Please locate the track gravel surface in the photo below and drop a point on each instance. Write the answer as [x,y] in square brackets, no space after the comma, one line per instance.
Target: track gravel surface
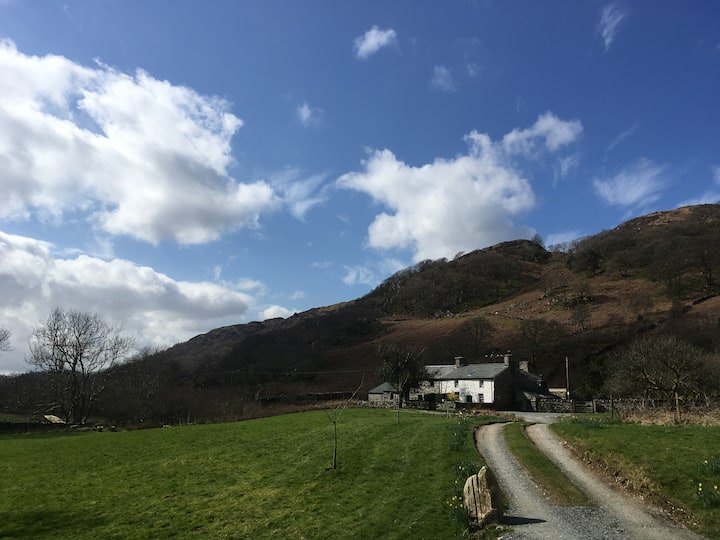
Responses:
[532,515]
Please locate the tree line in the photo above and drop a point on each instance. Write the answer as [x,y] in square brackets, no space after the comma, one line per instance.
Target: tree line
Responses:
[85,368]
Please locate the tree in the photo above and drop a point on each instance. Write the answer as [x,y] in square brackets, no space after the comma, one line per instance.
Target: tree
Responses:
[537,337]
[662,367]
[76,350]
[476,332]
[537,239]
[133,388]
[4,339]
[402,367]
[334,417]
[581,316]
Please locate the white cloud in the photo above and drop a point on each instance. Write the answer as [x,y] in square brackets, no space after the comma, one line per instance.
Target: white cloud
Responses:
[247,284]
[309,116]
[299,193]
[153,308]
[372,41]
[372,273]
[567,163]
[442,79]
[548,131]
[637,185]
[273,312]
[709,197]
[360,275]
[562,237]
[460,204]
[610,18]
[297,295]
[136,155]
[622,136]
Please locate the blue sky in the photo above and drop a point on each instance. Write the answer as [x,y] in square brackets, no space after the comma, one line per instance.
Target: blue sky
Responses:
[181,165]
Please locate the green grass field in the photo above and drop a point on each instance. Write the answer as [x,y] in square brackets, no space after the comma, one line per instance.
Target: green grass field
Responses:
[263,478]
[668,463]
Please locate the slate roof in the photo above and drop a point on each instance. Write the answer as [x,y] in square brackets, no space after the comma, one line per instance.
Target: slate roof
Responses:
[436,372]
[384,387]
[473,371]
[536,379]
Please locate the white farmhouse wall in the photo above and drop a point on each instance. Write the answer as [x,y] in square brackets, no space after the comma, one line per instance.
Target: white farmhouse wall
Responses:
[470,388]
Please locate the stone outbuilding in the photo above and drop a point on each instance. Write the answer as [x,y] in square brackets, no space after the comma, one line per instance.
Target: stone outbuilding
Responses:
[384,394]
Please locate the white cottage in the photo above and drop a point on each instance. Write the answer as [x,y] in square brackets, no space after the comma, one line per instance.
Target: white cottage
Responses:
[493,384]
[475,383]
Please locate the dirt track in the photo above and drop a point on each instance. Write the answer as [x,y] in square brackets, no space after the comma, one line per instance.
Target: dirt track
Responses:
[531,515]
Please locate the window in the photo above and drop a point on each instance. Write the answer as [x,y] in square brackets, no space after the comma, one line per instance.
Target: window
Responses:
[481,398]
[456,383]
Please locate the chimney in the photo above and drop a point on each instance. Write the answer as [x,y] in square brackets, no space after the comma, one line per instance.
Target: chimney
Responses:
[459,361]
[506,359]
[524,366]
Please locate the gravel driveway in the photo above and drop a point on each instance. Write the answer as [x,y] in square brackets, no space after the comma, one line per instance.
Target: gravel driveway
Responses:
[531,515]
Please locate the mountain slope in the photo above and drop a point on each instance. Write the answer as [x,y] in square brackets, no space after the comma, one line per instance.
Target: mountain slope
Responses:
[581,300]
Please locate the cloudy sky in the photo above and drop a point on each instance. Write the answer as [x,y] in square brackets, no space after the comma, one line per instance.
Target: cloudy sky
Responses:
[180,165]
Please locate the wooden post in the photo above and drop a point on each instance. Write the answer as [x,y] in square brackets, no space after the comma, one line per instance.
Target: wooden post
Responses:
[567,380]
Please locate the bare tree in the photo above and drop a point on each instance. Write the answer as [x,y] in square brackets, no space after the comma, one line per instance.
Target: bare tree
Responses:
[77,351]
[4,339]
[402,367]
[334,417]
[581,316]
[477,332]
[538,337]
[661,367]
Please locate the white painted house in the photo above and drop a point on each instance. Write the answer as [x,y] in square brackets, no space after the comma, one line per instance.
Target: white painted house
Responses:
[474,383]
[501,385]
[494,384]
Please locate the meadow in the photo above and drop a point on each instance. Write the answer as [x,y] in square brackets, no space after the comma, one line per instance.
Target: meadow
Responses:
[264,478]
[676,466]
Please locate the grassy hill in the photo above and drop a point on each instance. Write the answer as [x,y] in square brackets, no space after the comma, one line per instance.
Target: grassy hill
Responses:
[265,478]
[586,299]
[657,274]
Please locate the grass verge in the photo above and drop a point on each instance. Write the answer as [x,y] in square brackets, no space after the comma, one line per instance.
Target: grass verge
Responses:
[674,466]
[541,469]
[263,478]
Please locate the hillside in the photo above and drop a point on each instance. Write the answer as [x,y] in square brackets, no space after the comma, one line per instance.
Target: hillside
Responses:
[656,274]
[580,300]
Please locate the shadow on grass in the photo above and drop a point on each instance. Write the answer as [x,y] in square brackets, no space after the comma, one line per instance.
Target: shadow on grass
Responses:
[37,524]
